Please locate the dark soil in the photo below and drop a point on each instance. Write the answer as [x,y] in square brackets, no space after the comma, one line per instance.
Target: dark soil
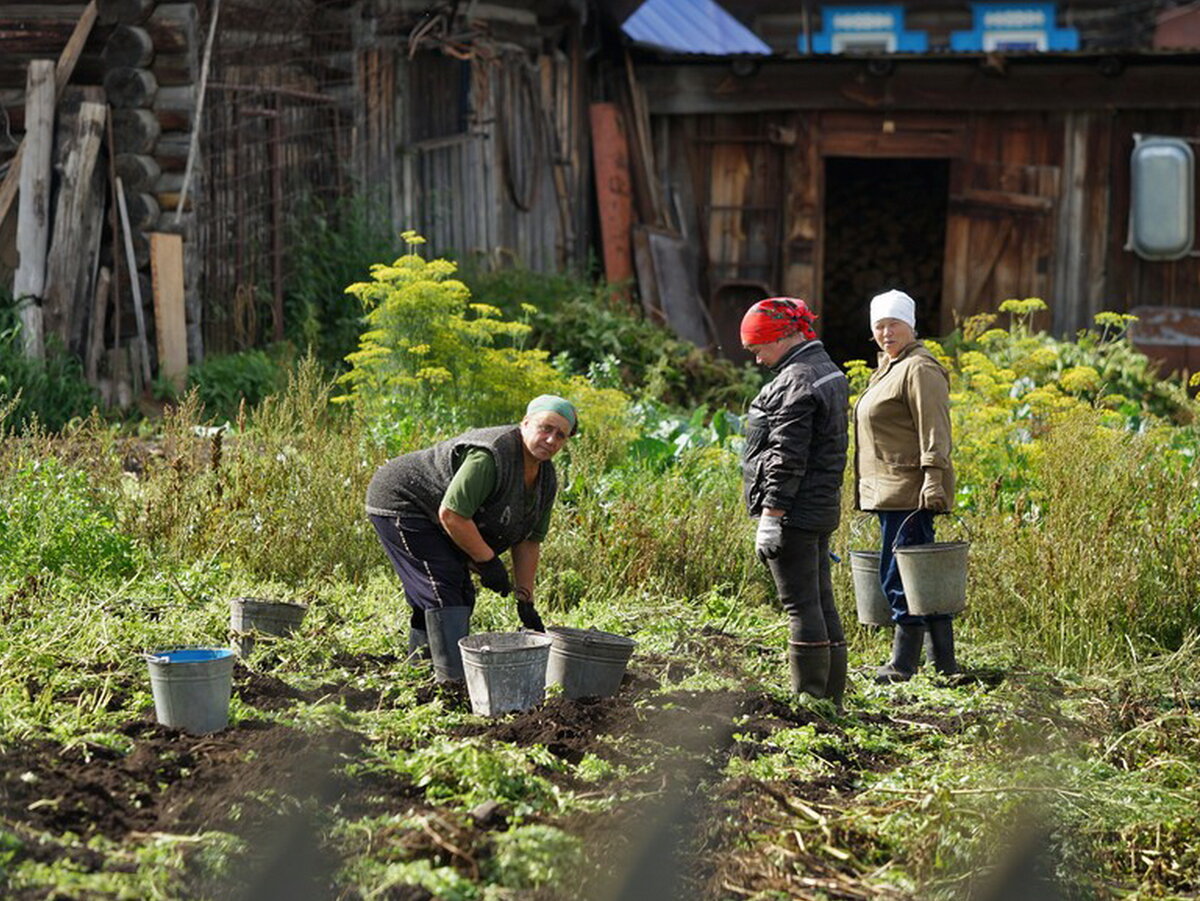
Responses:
[681,833]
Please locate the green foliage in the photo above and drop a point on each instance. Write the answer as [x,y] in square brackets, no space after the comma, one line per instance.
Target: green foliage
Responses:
[535,855]
[280,495]
[51,391]
[224,382]
[52,522]
[586,326]
[430,353]
[332,244]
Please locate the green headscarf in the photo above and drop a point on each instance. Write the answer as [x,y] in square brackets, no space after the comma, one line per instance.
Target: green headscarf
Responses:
[555,404]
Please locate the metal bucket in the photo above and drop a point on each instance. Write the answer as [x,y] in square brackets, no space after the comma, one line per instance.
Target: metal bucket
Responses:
[587,663]
[250,615]
[869,599]
[934,576]
[191,688]
[505,671]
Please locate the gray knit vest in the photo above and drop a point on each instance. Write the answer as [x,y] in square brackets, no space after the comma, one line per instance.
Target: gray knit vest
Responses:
[414,485]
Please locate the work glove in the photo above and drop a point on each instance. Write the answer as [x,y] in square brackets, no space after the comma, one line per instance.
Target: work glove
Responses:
[768,541]
[933,495]
[493,574]
[529,616]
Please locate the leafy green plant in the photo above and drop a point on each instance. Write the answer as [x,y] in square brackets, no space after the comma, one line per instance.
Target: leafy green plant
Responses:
[430,352]
[586,325]
[224,382]
[51,391]
[331,244]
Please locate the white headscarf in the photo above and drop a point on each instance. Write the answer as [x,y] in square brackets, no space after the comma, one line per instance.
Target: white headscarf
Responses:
[894,305]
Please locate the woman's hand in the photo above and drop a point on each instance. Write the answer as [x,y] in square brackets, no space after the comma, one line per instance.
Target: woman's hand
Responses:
[933,495]
[768,541]
[493,574]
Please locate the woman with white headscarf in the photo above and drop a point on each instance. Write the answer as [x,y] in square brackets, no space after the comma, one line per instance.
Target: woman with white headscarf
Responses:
[903,471]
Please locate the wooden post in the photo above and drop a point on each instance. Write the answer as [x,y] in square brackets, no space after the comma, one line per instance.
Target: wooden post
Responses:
[33,211]
[69,251]
[95,344]
[135,286]
[166,268]
[614,196]
[193,144]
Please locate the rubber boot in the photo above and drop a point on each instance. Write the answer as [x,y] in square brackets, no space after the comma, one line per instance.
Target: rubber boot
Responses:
[835,687]
[446,625]
[926,650]
[906,649]
[941,633]
[808,664]
[418,645]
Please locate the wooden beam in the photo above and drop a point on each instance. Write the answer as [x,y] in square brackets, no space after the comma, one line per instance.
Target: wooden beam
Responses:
[70,250]
[918,84]
[33,211]
[62,74]
[166,267]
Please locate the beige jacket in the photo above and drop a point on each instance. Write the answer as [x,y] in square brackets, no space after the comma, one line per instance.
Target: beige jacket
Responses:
[901,427]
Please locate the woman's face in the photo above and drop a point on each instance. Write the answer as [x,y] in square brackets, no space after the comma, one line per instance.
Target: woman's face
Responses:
[769,354]
[544,433]
[893,335]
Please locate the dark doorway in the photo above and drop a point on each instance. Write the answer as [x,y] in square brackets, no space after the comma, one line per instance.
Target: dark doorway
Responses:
[885,227]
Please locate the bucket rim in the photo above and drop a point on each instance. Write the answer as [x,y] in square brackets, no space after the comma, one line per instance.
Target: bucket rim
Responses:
[591,636]
[267,602]
[203,654]
[933,547]
[866,553]
[525,641]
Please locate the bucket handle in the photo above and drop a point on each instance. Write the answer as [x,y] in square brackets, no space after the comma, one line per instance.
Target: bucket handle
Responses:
[155,658]
[896,543]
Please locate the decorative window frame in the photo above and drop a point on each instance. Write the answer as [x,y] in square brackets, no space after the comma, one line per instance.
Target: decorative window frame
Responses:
[844,26]
[1030,24]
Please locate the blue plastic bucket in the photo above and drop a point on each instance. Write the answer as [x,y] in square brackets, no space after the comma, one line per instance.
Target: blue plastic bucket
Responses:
[191,688]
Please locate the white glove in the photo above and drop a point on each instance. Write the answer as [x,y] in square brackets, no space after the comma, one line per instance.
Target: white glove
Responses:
[768,541]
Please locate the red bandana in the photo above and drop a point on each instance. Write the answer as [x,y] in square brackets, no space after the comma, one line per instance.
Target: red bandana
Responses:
[776,318]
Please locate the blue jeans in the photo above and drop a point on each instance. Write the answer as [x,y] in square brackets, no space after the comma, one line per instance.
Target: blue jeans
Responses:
[917,530]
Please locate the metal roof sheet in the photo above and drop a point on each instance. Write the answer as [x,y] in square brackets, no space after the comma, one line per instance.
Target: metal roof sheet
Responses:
[691,26]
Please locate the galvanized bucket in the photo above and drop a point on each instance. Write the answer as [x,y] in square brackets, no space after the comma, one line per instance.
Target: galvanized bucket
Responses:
[191,688]
[587,663]
[505,671]
[250,615]
[934,576]
[869,599]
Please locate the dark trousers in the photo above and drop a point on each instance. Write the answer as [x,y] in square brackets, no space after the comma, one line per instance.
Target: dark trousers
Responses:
[431,567]
[805,587]
[901,528]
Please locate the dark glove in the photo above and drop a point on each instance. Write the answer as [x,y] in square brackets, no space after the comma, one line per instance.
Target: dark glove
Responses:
[933,495]
[529,616]
[493,574]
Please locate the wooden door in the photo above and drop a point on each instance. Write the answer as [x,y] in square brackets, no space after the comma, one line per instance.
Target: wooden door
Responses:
[1000,233]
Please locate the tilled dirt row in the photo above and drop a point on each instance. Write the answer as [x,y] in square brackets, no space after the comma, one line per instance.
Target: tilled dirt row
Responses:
[682,832]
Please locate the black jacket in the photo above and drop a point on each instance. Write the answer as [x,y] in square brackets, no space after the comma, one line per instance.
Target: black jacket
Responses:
[796,438]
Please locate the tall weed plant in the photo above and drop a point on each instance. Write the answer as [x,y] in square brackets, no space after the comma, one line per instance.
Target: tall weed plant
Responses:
[277,497]
[430,354]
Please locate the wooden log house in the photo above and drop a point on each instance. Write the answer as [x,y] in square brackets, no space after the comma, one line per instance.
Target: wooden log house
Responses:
[967,176]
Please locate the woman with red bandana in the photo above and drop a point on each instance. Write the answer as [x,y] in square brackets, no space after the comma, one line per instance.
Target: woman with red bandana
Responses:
[792,466]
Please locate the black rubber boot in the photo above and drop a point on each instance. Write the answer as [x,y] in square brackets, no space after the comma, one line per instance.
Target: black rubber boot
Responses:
[446,625]
[835,688]
[418,645]
[808,664]
[906,650]
[926,650]
[941,634]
